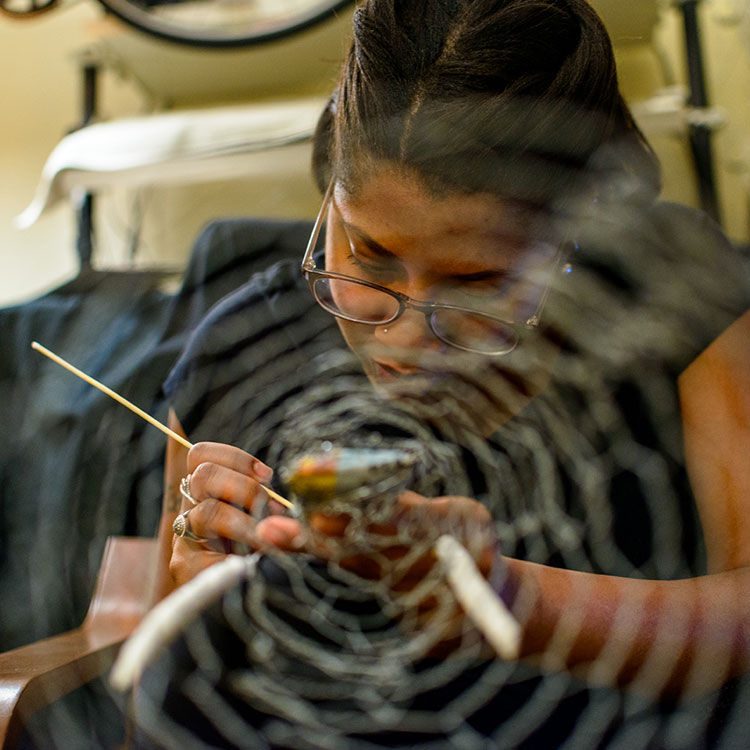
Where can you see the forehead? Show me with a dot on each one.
(396, 210)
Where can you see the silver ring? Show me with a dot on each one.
(181, 528)
(185, 490)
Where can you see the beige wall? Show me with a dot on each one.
(41, 100)
(726, 47)
(40, 95)
(728, 80)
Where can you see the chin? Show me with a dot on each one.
(445, 399)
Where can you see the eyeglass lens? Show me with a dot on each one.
(356, 301)
(473, 331)
(466, 330)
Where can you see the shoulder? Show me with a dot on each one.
(662, 279)
(271, 299)
(688, 227)
(700, 244)
(711, 271)
(280, 279)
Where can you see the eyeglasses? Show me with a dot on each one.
(365, 302)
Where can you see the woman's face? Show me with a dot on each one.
(475, 251)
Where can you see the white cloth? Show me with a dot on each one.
(185, 146)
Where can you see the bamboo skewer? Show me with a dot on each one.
(142, 414)
(112, 394)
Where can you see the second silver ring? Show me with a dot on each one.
(181, 527)
(185, 490)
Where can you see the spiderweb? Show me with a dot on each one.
(334, 649)
(358, 640)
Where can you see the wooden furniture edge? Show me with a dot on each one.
(35, 675)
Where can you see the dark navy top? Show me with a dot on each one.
(589, 476)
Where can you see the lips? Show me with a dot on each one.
(388, 371)
(488, 387)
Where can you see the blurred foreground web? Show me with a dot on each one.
(343, 649)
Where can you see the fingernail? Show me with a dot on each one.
(263, 472)
(409, 497)
(279, 537)
(298, 542)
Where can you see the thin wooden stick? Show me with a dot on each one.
(116, 396)
(128, 405)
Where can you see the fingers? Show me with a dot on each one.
(282, 532)
(226, 482)
(229, 474)
(449, 506)
(422, 518)
(222, 527)
(448, 512)
(214, 519)
(391, 552)
(211, 480)
(230, 457)
(227, 529)
(332, 525)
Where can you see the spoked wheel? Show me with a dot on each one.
(222, 23)
(26, 8)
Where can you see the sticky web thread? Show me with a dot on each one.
(306, 653)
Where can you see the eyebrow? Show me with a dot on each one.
(365, 238)
(376, 247)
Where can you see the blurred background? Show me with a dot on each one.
(76, 63)
(119, 144)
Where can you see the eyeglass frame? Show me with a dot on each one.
(312, 273)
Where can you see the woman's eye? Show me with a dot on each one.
(370, 266)
(482, 289)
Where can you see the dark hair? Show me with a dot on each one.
(514, 97)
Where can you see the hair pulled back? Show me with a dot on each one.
(514, 97)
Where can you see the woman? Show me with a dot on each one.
(478, 160)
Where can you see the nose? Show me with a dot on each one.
(410, 331)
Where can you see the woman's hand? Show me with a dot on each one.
(227, 484)
(426, 519)
(401, 554)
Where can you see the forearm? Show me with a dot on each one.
(672, 637)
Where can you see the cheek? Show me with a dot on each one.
(356, 336)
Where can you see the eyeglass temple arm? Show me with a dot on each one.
(308, 263)
(533, 321)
